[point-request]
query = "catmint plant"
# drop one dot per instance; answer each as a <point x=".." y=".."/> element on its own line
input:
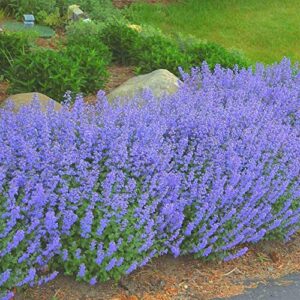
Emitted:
<point x="98" y="191"/>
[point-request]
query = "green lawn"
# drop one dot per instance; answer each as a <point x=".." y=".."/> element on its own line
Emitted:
<point x="265" y="30"/>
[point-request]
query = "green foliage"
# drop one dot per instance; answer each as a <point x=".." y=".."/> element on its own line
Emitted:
<point x="98" y="10"/>
<point x="53" y="19"/>
<point x="213" y="53"/>
<point x="123" y="42"/>
<point x="20" y="7"/>
<point x="77" y="69"/>
<point x="45" y="71"/>
<point x="12" y="46"/>
<point x="149" y="49"/>
<point x="157" y="52"/>
<point x="88" y="34"/>
<point x="83" y="42"/>
<point x="46" y="12"/>
<point x="92" y="63"/>
<point x="2" y="15"/>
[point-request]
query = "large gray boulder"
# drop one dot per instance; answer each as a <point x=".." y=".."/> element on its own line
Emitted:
<point x="160" y="82"/>
<point x="26" y="98"/>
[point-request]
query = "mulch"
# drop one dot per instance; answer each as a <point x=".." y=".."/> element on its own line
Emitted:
<point x="3" y="90"/>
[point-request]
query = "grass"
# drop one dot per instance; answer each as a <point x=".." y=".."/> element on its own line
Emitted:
<point x="42" y="31"/>
<point x="265" y="31"/>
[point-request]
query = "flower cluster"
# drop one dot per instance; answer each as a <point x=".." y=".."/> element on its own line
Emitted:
<point x="98" y="191"/>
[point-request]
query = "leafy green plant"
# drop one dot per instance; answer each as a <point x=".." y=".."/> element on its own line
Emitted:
<point x="158" y="52"/>
<point x="21" y="7"/>
<point x="76" y="69"/>
<point x="53" y="19"/>
<point x="46" y="71"/>
<point x="122" y="40"/>
<point x="88" y="34"/>
<point x="98" y="10"/>
<point x="149" y="49"/>
<point x="47" y="12"/>
<point x="2" y="15"/>
<point x="92" y="63"/>
<point x="12" y="46"/>
<point x="213" y="53"/>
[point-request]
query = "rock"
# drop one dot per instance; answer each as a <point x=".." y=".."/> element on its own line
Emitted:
<point x="160" y="82"/>
<point x="26" y="98"/>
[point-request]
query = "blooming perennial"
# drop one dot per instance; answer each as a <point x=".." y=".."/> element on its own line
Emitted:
<point x="97" y="191"/>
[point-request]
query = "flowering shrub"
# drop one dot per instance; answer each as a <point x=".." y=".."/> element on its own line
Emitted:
<point x="99" y="191"/>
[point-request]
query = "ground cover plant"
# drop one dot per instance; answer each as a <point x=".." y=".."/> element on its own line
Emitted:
<point x="97" y="192"/>
<point x="264" y="30"/>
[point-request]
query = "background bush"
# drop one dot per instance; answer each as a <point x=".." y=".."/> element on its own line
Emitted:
<point x="12" y="46"/>
<point x="76" y="68"/>
<point x="47" y="12"/>
<point x="53" y="19"/>
<point x="97" y="191"/>
<point x="88" y="34"/>
<point x="158" y="52"/>
<point x="98" y="10"/>
<point x="51" y="73"/>
<point x="2" y="15"/>
<point x="149" y="49"/>
<point x="213" y="53"/>
<point x="18" y="8"/>
<point x="93" y="62"/>
<point x="122" y="41"/>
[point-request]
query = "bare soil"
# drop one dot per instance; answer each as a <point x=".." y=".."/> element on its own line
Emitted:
<point x="183" y="278"/>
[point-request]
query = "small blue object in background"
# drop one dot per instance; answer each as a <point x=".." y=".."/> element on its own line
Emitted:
<point x="29" y="20"/>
